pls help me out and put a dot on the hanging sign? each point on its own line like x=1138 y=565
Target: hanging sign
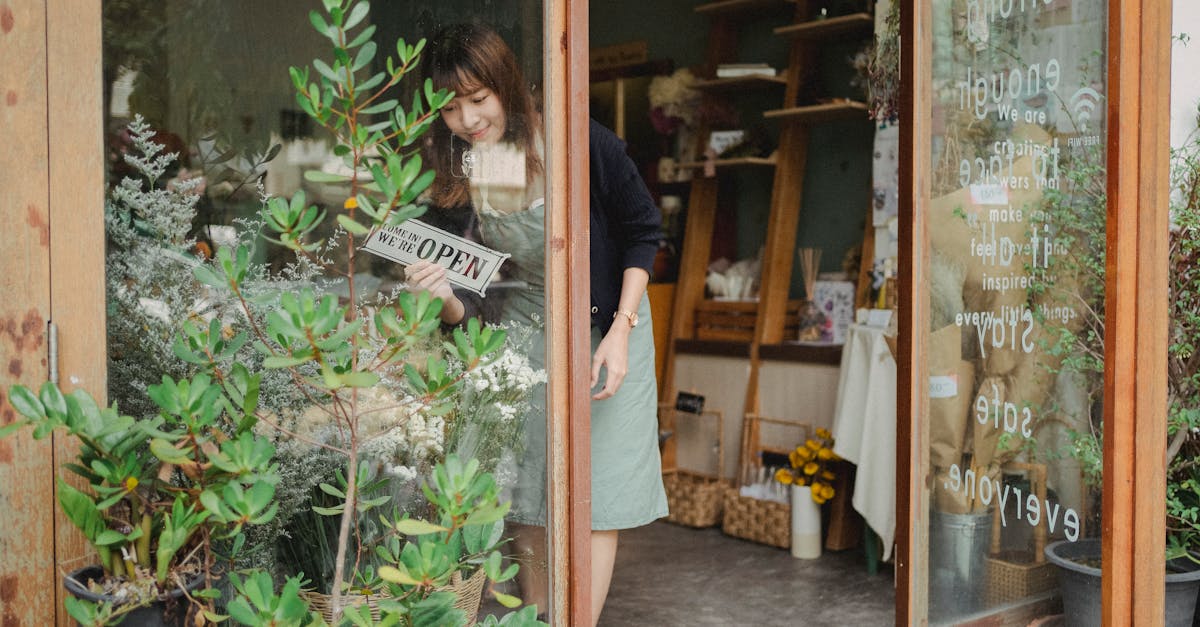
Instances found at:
x=467 y=263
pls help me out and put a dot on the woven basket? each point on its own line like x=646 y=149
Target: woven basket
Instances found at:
x=757 y=520
x=695 y=499
x=1013 y=575
x=468 y=595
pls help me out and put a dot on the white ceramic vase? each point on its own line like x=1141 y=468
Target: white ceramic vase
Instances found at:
x=806 y=524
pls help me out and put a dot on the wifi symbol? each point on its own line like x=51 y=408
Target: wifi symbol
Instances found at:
x=1083 y=103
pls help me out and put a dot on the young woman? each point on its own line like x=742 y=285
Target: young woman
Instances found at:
x=487 y=152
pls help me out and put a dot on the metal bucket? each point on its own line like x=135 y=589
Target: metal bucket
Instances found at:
x=958 y=545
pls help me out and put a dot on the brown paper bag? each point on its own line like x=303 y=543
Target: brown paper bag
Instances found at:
x=952 y=381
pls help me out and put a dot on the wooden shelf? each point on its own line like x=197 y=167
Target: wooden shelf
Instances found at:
x=822 y=112
x=727 y=7
x=737 y=83
x=827 y=354
x=732 y=163
x=830 y=27
x=716 y=348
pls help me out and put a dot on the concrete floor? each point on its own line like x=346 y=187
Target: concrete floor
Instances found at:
x=668 y=576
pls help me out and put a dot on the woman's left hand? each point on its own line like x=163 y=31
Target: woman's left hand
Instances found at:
x=613 y=355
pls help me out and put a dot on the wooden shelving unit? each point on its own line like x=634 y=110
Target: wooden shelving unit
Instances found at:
x=734 y=7
x=761 y=328
x=740 y=83
x=740 y=162
x=825 y=112
x=853 y=24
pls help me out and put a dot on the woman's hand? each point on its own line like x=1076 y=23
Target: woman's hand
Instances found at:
x=424 y=276
x=613 y=355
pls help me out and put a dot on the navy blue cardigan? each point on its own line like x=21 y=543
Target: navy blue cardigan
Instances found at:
x=625 y=222
x=625 y=228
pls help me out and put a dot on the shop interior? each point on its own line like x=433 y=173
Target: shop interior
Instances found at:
x=752 y=130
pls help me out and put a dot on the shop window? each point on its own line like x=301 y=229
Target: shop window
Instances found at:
x=209 y=82
x=1015 y=354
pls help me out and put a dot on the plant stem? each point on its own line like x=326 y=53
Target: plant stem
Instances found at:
x=143 y=543
x=344 y=531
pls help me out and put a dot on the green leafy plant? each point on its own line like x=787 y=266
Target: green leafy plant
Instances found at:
x=352 y=373
x=163 y=491
x=1079 y=281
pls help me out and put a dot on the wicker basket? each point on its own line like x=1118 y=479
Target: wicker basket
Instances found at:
x=758 y=520
x=1013 y=575
x=468 y=595
x=695 y=499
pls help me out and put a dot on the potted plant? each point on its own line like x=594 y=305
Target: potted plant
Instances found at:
x=164 y=492
x=1081 y=345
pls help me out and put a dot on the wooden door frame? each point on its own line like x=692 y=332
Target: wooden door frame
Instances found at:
x=55 y=94
x=1136 y=326
x=51 y=174
x=568 y=338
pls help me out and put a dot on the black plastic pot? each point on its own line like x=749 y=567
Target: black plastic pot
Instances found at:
x=1081 y=584
x=164 y=612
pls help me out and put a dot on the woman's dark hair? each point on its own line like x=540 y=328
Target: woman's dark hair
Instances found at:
x=465 y=58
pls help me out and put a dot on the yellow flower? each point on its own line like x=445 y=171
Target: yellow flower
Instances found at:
x=811 y=468
x=827 y=475
x=825 y=454
x=783 y=476
x=822 y=432
x=827 y=492
x=795 y=459
x=801 y=481
x=813 y=445
x=351 y=203
x=130 y=484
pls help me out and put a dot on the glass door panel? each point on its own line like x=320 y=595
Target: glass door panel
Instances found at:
x=1015 y=353
x=210 y=83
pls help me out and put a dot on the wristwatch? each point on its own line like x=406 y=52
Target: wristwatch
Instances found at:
x=632 y=315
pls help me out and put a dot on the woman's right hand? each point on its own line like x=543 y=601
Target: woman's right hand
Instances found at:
x=424 y=276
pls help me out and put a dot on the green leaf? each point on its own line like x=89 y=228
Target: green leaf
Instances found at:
x=365 y=56
x=53 y=400
x=359 y=379
x=395 y=575
x=329 y=511
x=24 y=401
x=332 y=491
x=80 y=510
x=284 y=361
x=164 y=451
x=362 y=37
x=380 y=107
x=356 y=15
x=351 y=226
x=109 y=537
x=318 y=22
x=506 y=600
x=317 y=176
x=413 y=527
